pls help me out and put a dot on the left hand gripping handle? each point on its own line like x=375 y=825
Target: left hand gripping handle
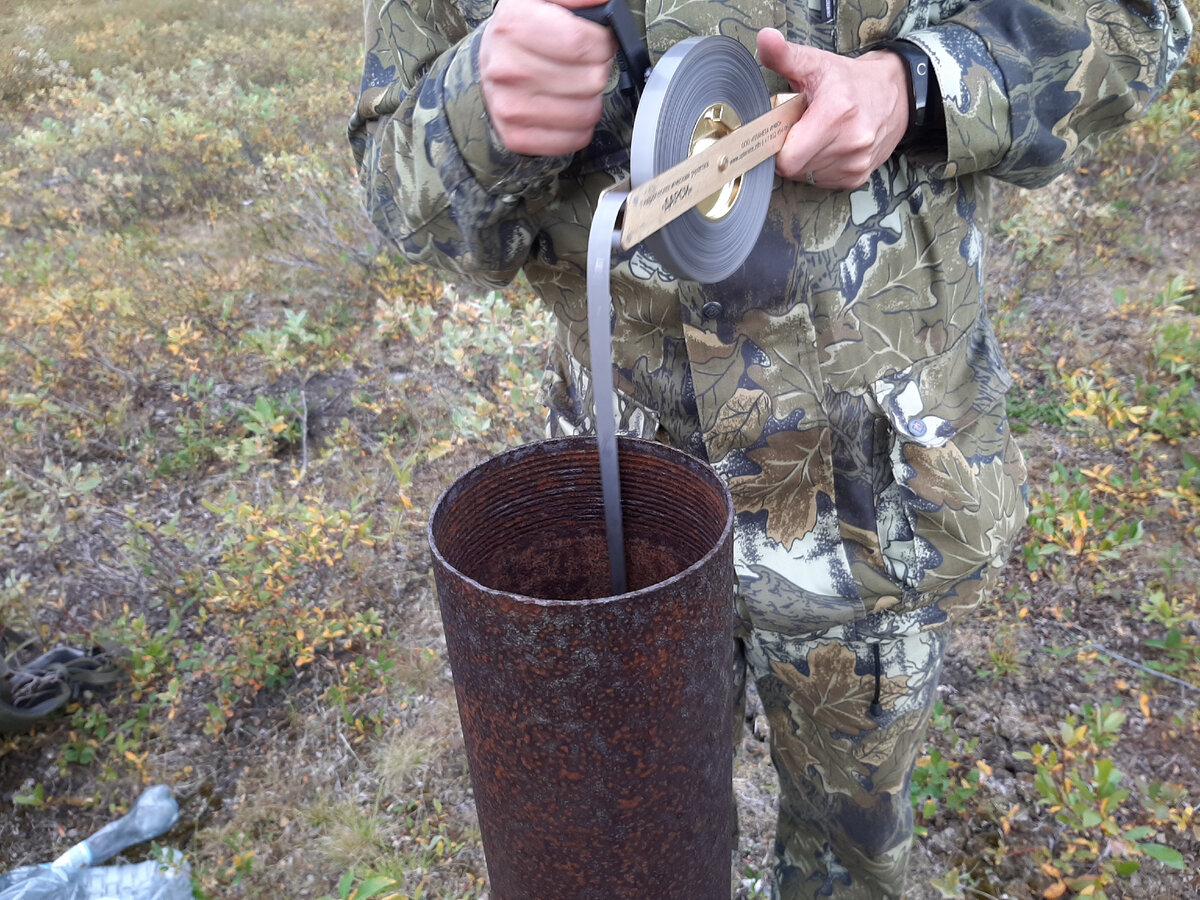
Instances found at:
x=633 y=57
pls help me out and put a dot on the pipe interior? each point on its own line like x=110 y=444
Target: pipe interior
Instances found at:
x=535 y=527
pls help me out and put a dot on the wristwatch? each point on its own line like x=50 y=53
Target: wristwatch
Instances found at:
x=923 y=115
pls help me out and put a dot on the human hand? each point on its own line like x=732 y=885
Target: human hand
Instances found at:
x=857 y=111
x=543 y=71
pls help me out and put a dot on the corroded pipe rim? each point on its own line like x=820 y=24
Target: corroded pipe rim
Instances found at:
x=654 y=447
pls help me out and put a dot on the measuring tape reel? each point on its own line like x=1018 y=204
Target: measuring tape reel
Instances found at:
x=705 y=136
x=700 y=91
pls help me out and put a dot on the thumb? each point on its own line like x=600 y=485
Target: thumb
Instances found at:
x=793 y=61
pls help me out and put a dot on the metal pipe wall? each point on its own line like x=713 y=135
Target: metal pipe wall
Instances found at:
x=596 y=727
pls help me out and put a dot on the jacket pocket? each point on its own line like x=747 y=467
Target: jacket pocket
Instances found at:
x=956 y=500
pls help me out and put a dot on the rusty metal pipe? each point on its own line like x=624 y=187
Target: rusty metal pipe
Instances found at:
x=596 y=727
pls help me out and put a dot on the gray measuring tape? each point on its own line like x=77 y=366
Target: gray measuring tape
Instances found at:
x=701 y=90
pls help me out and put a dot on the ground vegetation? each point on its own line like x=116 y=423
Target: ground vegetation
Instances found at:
x=226 y=409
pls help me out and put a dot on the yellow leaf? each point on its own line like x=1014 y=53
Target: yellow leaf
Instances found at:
x=1055 y=891
x=1144 y=705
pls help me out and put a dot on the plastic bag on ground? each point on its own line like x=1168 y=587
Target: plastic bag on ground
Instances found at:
x=74 y=875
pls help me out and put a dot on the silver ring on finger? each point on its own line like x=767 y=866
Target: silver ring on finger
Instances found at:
x=811 y=178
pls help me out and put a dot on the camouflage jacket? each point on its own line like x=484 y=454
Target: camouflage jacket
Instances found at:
x=845 y=381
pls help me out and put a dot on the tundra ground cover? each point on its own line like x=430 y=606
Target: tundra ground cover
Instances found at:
x=226 y=410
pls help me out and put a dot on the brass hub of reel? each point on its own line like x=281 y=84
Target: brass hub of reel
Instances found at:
x=717 y=121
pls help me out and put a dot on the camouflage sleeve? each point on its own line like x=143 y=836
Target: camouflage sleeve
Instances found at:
x=1028 y=86
x=436 y=177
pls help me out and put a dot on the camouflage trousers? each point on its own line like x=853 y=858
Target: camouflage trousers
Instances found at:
x=848 y=719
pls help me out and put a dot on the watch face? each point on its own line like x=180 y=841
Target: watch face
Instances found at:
x=918 y=68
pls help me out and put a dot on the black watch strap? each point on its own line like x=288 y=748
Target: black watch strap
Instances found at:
x=924 y=102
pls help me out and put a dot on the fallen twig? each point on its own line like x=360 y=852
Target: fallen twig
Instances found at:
x=1142 y=667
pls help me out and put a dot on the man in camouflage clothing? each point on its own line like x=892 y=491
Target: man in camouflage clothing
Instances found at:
x=845 y=382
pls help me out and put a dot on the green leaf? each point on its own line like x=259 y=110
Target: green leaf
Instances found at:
x=1138 y=834
x=1168 y=856
x=1106 y=772
x=36 y=797
x=374 y=887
